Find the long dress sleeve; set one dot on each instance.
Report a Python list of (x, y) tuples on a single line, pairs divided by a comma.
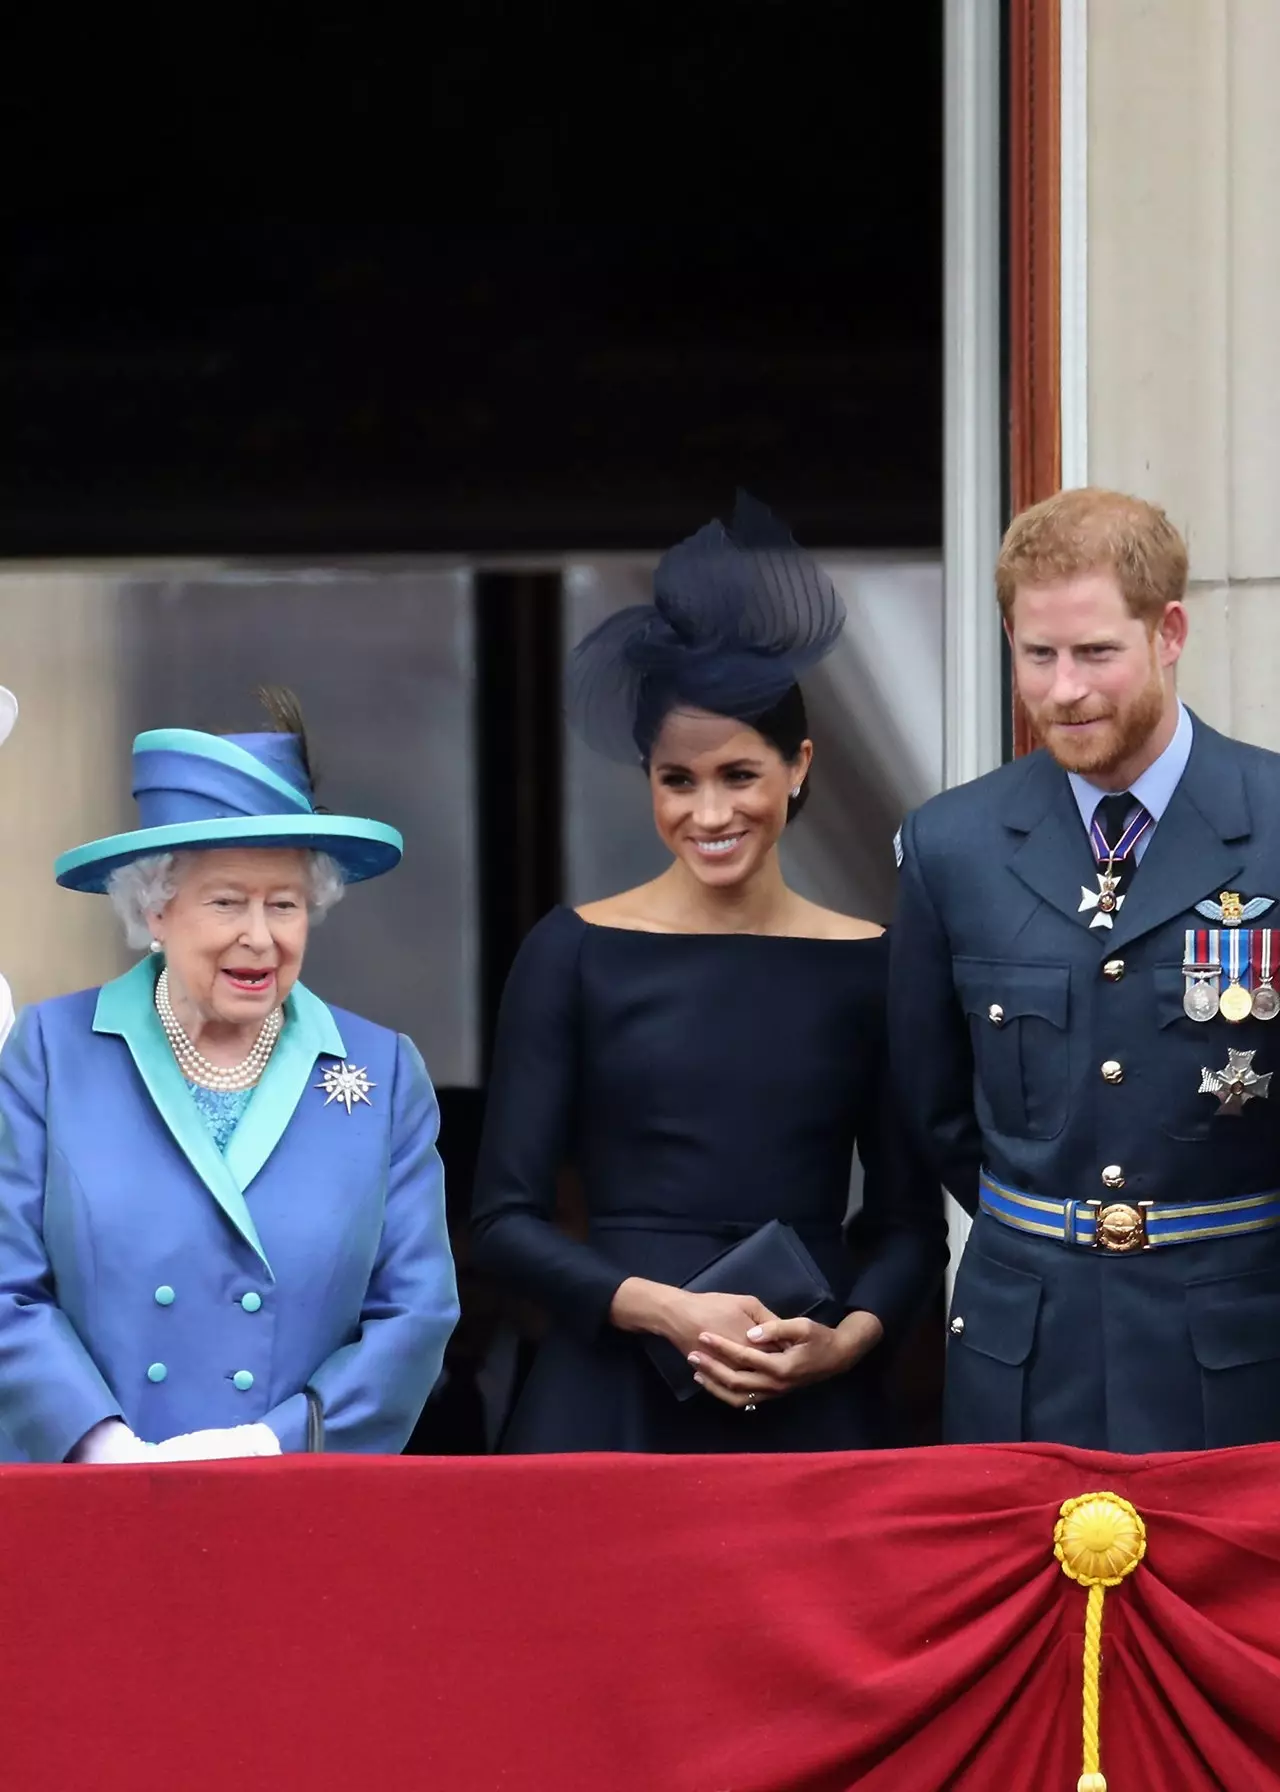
[(373, 1389), (527, 1134), (51, 1390), (899, 1236)]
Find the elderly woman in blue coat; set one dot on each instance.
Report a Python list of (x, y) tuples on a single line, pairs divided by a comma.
[(222, 1219)]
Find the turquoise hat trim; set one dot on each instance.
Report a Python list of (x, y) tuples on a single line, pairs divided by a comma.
[(199, 791), (88, 867), (221, 751)]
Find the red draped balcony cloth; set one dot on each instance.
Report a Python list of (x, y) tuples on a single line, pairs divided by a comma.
[(894, 1623)]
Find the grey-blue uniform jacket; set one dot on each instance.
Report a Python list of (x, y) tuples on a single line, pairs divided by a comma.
[(1005, 1007)]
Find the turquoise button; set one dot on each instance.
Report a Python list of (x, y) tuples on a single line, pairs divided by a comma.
[(164, 1295), (243, 1380), (251, 1301), (157, 1372)]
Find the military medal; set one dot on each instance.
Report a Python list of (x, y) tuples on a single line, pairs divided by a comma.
[(1237, 1084), (1107, 900), (1266, 1003), (1104, 899), (1200, 999), (1235, 1003), (1203, 972)]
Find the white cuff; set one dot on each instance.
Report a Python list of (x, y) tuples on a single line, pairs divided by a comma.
[(219, 1445), (263, 1438), (110, 1440)]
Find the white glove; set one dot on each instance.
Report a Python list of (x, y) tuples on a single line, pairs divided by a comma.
[(215, 1446), (111, 1441)]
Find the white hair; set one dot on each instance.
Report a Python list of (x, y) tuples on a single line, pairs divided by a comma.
[(147, 885)]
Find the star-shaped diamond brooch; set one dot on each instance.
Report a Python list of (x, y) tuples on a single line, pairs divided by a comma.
[(347, 1083), (1238, 1083)]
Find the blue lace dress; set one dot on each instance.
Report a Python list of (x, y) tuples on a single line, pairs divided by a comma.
[(221, 1110)]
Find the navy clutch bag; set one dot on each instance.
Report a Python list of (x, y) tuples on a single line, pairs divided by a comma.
[(774, 1266)]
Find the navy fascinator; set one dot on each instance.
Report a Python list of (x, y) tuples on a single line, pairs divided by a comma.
[(738, 614)]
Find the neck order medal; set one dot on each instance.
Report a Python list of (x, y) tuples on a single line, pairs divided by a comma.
[(1104, 899)]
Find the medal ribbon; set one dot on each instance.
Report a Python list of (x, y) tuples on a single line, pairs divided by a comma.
[(1262, 955), (1200, 949), (1138, 826), (1236, 971)]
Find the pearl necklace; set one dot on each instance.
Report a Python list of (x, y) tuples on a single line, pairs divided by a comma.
[(195, 1067)]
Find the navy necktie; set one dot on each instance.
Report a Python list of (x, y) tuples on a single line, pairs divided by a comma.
[(1119, 822)]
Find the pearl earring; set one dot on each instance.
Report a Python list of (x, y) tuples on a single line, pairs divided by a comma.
[(156, 946), (796, 791)]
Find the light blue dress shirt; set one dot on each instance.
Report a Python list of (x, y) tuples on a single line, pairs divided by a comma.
[(1154, 789)]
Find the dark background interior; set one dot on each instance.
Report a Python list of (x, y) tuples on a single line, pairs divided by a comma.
[(504, 278)]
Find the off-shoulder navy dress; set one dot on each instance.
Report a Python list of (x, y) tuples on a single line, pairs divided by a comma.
[(702, 1084)]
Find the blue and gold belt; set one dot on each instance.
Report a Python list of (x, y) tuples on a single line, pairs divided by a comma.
[(1120, 1227)]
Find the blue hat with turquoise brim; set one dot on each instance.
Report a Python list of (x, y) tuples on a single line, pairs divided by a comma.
[(197, 791)]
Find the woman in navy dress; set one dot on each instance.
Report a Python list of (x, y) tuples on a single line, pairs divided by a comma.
[(709, 1050)]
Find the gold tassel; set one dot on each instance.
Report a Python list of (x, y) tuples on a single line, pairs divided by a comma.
[(1098, 1539)]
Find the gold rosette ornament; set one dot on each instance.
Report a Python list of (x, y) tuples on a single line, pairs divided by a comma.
[(1098, 1539)]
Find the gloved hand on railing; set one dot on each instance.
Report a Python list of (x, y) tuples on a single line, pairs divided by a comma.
[(213, 1446), (112, 1441)]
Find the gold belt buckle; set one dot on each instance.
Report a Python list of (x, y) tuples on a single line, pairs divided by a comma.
[(1120, 1227)]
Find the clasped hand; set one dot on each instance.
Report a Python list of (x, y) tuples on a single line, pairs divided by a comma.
[(737, 1349), (777, 1356)]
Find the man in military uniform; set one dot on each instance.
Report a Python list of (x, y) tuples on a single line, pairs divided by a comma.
[(1084, 1004)]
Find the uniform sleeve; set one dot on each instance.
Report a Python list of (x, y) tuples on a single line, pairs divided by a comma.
[(929, 1046), (899, 1236), (373, 1389), (527, 1130), (51, 1391)]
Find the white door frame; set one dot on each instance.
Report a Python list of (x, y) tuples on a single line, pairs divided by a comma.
[(972, 424), (973, 427)]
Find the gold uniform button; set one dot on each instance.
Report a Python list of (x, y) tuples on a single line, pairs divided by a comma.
[(995, 1014), (1113, 1071), (1113, 1176), (957, 1327), (1113, 970)]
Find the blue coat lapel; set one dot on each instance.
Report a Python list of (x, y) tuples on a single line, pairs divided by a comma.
[(126, 1007), (1196, 850), (1053, 858)]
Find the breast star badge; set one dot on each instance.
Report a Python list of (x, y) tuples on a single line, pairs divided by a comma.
[(1238, 1083), (1104, 900), (347, 1083)]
